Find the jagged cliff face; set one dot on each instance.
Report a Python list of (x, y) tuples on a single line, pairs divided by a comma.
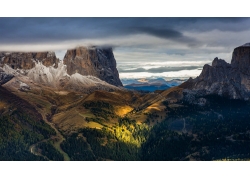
[(83, 70), (241, 59), (229, 80), (94, 61), (43, 67), (26, 60)]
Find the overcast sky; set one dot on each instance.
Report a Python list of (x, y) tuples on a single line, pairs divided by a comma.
[(143, 47)]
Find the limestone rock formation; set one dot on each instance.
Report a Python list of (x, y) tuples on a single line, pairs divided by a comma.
[(83, 69), (26, 60), (229, 80), (94, 61)]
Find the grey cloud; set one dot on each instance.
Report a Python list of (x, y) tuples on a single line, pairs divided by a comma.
[(167, 69), (37, 30), (132, 70), (183, 39), (28, 30), (164, 33)]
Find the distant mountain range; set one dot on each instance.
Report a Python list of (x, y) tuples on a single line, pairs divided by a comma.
[(150, 84)]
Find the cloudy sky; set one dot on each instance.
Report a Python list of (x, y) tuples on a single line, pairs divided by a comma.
[(143, 47)]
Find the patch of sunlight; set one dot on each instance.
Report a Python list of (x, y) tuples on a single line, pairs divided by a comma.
[(122, 110), (62, 93), (125, 135), (155, 107), (2, 105), (94, 125), (86, 115)]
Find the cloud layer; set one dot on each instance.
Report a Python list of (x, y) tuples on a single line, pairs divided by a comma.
[(61, 30), (193, 40), (160, 69)]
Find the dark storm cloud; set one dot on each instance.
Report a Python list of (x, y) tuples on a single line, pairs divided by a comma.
[(159, 69), (56, 29), (23, 30), (167, 34), (38, 30), (162, 33)]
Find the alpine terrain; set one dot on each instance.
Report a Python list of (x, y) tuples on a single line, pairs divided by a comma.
[(77, 109)]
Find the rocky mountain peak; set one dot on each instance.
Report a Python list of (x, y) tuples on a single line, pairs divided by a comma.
[(230, 80), (220, 63), (95, 61), (26, 60), (86, 61)]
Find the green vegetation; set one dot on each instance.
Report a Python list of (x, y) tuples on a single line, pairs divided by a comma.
[(219, 132), (17, 132), (47, 149), (129, 131), (100, 109), (77, 148), (99, 145), (121, 142), (151, 117)]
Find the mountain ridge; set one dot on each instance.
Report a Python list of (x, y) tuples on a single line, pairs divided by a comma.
[(224, 79), (83, 69), (100, 121)]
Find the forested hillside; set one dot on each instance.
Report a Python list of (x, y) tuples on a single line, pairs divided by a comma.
[(20, 126)]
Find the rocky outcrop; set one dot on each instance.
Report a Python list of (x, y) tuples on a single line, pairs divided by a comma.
[(24, 87), (94, 61), (241, 59), (4, 77), (26, 60), (229, 80)]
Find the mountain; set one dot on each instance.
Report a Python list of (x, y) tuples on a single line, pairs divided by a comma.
[(94, 61), (83, 69), (147, 87), (27, 60), (151, 84), (170, 83), (224, 79), (33, 87), (48, 112)]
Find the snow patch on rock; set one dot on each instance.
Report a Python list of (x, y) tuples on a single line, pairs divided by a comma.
[(57, 78), (4, 77), (7, 69), (47, 75), (24, 86)]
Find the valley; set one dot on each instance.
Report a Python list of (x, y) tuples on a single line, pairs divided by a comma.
[(111, 126), (78, 110)]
